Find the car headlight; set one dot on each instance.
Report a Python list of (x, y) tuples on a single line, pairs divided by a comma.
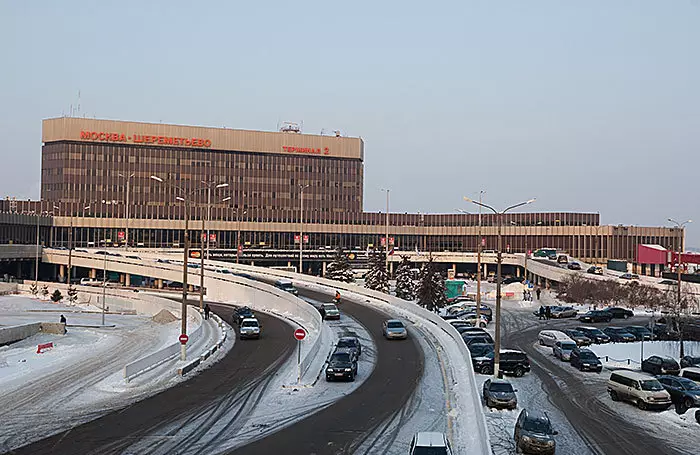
[(348, 369), (550, 443), (526, 439), (329, 370)]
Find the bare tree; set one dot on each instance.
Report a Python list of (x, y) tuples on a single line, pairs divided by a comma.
[(679, 306)]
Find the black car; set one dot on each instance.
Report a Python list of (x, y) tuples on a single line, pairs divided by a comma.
[(684, 393), (596, 316), (341, 365), (585, 360), (471, 330), (241, 313), (595, 270), (579, 337), (661, 365), (511, 362), (619, 313), (467, 335), (596, 335), (352, 343), (574, 266), (689, 361), (480, 349), (619, 335), (478, 339), (640, 332)]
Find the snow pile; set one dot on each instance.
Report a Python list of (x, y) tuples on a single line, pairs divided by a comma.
[(164, 317)]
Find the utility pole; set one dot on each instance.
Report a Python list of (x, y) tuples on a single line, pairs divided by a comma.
[(36, 264), (201, 261), (301, 226), (386, 243), (478, 265), (681, 227)]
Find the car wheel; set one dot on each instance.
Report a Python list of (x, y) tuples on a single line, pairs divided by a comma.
[(697, 416), (613, 396), (541, 342), (328, 379), (518, 372), (641, 404), (687, 404), (482, 325)]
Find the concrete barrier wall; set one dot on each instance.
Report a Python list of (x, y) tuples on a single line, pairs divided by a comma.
[(18, 332), (8, 288), (56, 328)]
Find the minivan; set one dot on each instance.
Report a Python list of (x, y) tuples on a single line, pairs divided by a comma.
[(550, 337), (286, 285), (639, 388)]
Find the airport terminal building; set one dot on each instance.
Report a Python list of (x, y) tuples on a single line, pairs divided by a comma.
[(117, 180)]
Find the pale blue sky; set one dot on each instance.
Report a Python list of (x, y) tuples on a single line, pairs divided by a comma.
[(587, 105)]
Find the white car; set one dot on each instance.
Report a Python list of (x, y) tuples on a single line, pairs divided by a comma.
[(550, 337)]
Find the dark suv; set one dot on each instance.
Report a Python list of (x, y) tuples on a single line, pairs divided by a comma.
[(585, 360), (342, 365), (534, 433), (511, 362), (242, 313), (661, 365), (684, 393)]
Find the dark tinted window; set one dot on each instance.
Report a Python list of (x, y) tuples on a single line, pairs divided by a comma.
[(430, 451), (341, 357), (395, 325), (349, 343), (587, 355), (501, 387), (537, 426), (670, 363)]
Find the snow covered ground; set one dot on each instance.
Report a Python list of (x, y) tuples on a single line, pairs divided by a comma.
[(81, 377)]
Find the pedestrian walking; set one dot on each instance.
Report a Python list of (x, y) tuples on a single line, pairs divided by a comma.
[(548, 312), (206, 311), (541, 313), (63, 319), (524, 295), (539, 292)]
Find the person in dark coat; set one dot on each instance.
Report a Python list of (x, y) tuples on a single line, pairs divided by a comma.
[(548, 312), (63, 319), (539, 292), (541, 312), (206, 311), (524, 295)]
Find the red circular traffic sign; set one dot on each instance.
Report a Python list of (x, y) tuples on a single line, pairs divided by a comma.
[(183, 338), (300, 334)]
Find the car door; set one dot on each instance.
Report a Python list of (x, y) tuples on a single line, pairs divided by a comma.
[(676, 390), (518, 426)]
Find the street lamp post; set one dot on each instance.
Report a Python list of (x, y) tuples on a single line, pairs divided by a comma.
[(680, 227), (70, 245), (301, 225), (386, 243), (239, 247), (128, 180), (209, 186), (497, 347)]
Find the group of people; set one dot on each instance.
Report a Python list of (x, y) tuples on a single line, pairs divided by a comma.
[(545, 312), (527, 294)]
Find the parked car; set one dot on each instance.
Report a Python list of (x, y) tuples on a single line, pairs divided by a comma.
[(534, 433), (689, 361), (394, 329), (460, 323), (639, 331), (499, 393), (596, 316), (619, 313), (562, 259), (474, 330), (574, 266), (472, 319), (641, 389), (287, 286), (81, 251), (479, 349), (549, 337), (250, 328), (562, 350), (552, 256), (341, 365), (483, 339), (351, 343), (579, 337), (430, 443), (511, 362), (629, 276), (595, 334), (685, 394), (559, 312), (329, 311), (618, 335), (661, 365), (241, 313), (595, 270), (585, 360), (691, 373), (131, 256)]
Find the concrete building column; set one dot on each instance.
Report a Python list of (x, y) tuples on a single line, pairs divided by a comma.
[(485, 274), (127, 279), (93, 274), (517, 272), (159, 283), (323, 268), (61, 273), (391, 269)]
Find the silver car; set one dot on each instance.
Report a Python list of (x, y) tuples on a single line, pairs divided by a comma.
[(562, 350), (499, 393), (394, 329)]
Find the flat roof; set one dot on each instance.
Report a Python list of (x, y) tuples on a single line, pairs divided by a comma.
[(199, 138)]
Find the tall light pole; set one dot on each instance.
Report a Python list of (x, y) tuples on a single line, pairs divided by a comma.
[(386, 243), (478, 261), (680, 227), (239, 246), (201, 252), (301, 225), (128, 180), (185, 199), (209, 186), (497, 347), (70, 244)]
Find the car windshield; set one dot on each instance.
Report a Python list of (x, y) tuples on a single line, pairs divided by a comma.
[(537, 426), (343, 357), (587, 355), (249, 324), (429, 451), (479, 350), (595, 332), (500, 387), (568, 346), (395, 325), (669, 363), (689, 385), (329, 307), (651, 385), (575, 333), (346, 343)]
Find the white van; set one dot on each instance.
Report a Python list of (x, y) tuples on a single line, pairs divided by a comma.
[(641, 389), (550, 337)]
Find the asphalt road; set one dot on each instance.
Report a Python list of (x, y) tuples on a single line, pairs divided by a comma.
[(115, 432), (604, 430), (342, 427)]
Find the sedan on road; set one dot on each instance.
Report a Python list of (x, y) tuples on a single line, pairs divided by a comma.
[(618, 335), (341, 365), (329, 311), (579, 337), (661, 365), (585, 360), (559, 312), (350, 343), (596, 316), (595, 270), (574, 266), (619, 313), (595, 334), (684, 393), (629, 276), (393, 329), (499, 393), (640, 332), (562, 350)]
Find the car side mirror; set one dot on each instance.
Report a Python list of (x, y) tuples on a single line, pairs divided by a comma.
[(555, 432), (515, 390)]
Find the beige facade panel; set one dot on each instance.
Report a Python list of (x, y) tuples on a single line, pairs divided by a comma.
[(203, 138)]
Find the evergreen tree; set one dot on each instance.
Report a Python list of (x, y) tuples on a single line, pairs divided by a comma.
[(340, 269), (56, 296), (406, 285), (72, 294), (45, 291), (377, 278), (34, 289), (431, 291)]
